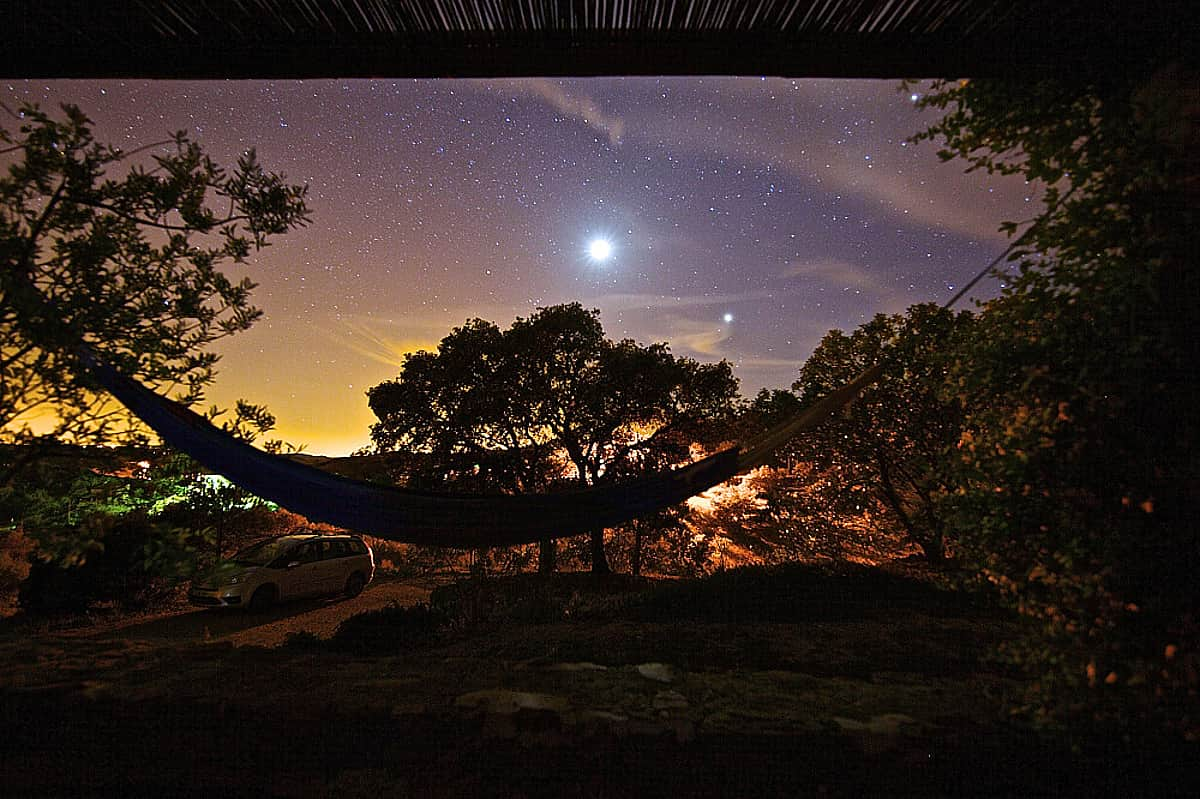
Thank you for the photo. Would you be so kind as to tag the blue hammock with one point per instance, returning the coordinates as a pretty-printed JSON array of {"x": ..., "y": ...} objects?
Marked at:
[{"x": 450, "y": 520}]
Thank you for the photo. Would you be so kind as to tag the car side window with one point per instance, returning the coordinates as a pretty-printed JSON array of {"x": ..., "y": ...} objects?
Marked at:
[
  {"x": 357, "y": 547},
  {"x": 284, "y": 558},
  {"x": 305, "y": 553},
  {"x": 337, "y": 549}
]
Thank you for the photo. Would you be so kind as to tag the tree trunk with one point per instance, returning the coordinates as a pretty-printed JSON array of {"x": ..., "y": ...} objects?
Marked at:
[
  {"x": 547, "y": 556},
  {"x": 635, "y": 564},
  {"x": 599, "y": 559},
  {"x": 932, "y": 550},
  {"x": 936, "y": 551},
  {"x": 479, "y": 563}
]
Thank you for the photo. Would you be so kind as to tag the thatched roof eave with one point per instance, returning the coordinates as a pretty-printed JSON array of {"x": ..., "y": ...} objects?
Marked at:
[{"x": 189, "y": 39}]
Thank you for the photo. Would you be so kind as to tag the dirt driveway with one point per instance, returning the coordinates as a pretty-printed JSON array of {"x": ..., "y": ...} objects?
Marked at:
[{"x": 271, "y": 628}]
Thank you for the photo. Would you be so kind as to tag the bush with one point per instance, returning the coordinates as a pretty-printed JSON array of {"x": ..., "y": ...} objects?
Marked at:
[
  {"x": 1074, "y": 482},
  {"x": 794, "y": 593},
  {"x": 129, "y": 561},
  {"x": 391, "y": 630},
  {"x": 532, "y": 598},
  {"x": 15, "y": 548}
]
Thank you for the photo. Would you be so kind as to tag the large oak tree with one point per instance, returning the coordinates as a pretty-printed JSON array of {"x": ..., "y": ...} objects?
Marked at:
[{"x": 550, "y": 397}]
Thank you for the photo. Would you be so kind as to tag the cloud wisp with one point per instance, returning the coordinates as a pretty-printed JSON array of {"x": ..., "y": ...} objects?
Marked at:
[
  {"x": 383, "y": 342},
  {"x": 615, "y": 303},
  {"x": 907, "y": 180},
  {"x": 580, "y": 107},
  {"x": 835, "y": 273}
]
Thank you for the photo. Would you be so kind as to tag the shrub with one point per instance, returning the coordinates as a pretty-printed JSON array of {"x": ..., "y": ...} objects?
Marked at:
[
  {"x": 1073, "y": 484},
  {"x": 793, "y": 593},
  {"x": 130, "y": 560},
  {"x": 15, "y": 548},
  {"x": 390, "y": 630},
  {"x": 532, "y": 598}
]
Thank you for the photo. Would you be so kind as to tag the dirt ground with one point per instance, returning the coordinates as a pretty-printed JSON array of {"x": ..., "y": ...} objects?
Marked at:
[
  {"x": 319, "y": 617},
  {"x": 884, "y": 698}
]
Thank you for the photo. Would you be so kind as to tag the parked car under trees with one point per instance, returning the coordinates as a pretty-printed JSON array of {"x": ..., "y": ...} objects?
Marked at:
[{"x": 285, "y": 568}]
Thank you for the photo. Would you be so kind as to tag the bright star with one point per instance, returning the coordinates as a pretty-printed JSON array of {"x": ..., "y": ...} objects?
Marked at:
[
  {"x": 728, "y": 318},
  {"x": 600, "y": 249}
]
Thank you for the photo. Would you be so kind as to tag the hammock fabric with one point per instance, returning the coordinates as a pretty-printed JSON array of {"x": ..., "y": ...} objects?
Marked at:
[{"x": 449, "y": 520}]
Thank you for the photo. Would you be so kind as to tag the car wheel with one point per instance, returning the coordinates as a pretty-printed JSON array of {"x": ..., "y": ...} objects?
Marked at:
[
  {"x": 354, "y": 585},
  {"x": 263, "y": 597}
]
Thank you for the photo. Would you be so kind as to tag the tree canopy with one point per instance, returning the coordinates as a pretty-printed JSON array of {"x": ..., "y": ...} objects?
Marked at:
[
  {"x": 551, "y": 398},
  {"x": 889, "y": 445},
  {"x": 122, "y": 250}
]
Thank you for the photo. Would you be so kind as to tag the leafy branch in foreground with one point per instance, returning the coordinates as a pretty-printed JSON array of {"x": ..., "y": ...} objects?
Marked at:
[
  {"x": 1075, "y": 473},
  {"x": 123, "y": 250}
]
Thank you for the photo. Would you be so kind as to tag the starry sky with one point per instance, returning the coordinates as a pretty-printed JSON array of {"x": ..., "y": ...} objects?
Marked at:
[{"x": 746, "y": 217}]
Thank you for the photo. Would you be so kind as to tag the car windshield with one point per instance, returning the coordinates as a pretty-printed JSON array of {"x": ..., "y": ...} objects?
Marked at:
[{"x": 263, "y": 552}]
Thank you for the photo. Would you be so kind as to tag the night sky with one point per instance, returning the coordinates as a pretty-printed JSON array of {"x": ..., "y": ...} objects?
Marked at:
[{"x": 746, "y": 217}]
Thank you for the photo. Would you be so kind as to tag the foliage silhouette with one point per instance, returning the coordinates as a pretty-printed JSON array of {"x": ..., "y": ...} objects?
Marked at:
[
  {"x": 1074, "y": 479},
  {"x": 888, "y": 448},
  {"x": 522, "y": 409},
  {"x": 122, "y": 250}
]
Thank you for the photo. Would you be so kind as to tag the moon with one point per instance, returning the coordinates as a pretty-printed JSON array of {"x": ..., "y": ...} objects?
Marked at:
[{"x": 600, "y": 249}]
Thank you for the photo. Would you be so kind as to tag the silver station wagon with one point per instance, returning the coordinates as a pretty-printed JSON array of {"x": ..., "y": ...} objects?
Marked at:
[{"x": 288, "y": 567}]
